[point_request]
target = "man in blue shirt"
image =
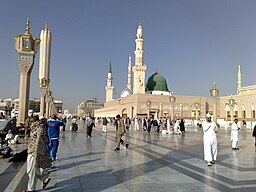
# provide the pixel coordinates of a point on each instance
(53, 133)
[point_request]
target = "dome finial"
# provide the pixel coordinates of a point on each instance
(46, 25)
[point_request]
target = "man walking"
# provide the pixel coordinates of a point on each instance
(38, 160)
(120, 130)
(104, 125)
(27, 127)
(127, 123)
(53, 134)
(90, 125)
(234, 135)
(210, 140)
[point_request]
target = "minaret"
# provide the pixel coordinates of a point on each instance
(239, 79)
(109, 87)
(139, 68)
(44, 67)
(129, 82)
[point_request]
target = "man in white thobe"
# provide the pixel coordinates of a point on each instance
(234, 135)
(210, 140)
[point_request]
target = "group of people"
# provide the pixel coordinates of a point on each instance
(172, 127)
(89, 122)
(210, 130)
(43, 142)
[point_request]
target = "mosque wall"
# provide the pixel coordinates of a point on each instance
(243, 107)
(143, 105)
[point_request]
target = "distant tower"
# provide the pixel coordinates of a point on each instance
(44, 66)
(129, 82)
(26, 46)
(239, 79)
(109, 87)
(139, 68)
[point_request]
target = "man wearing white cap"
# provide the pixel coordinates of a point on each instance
(234, 135)
(210, 140)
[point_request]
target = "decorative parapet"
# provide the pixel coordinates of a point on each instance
(247, 90)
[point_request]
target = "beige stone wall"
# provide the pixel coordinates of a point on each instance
(136, 105)
(245, 105)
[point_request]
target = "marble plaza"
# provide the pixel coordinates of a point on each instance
(153, 162)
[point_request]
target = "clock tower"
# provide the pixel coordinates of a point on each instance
(139, 68)
(26, 46)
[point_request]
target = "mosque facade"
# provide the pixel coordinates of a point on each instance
(242, 105)
(151, 97)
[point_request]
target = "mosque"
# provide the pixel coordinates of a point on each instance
(142, 98)
(242, 105)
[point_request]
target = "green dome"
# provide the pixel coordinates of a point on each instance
(156, 82)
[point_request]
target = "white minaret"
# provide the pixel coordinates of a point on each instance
(139, 68)
(239, 79)
(109, 87)
(129, 82)
(44, 66)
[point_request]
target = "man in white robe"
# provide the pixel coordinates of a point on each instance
(234, 135)
(210, 140)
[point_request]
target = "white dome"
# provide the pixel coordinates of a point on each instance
(126, 92)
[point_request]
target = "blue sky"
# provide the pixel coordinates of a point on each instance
(192, 43)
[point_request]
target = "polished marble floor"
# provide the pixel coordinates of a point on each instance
(153, 162)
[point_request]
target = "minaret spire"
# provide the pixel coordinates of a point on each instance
(129, 82)
(239, 79)
(109, 87)
(109, 68)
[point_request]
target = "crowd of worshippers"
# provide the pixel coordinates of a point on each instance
(52, 125)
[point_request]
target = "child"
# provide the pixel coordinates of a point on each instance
(11, 139)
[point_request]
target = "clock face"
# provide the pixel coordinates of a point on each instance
(25, 43)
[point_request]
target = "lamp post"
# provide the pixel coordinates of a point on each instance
(26, 46)
(148, 103)
(181, 110)
(214, 93)
(172, 100)
(196, 105)
(231, 104)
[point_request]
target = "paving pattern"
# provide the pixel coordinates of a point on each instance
(153, 162)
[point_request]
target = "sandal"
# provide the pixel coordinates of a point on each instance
(46, 182)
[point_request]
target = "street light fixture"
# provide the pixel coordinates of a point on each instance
(196, 105)
(148, 103)
(172, 100)
(214, 93)
(231, 104)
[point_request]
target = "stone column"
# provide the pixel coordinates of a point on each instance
(42, 101)
(25, 73)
